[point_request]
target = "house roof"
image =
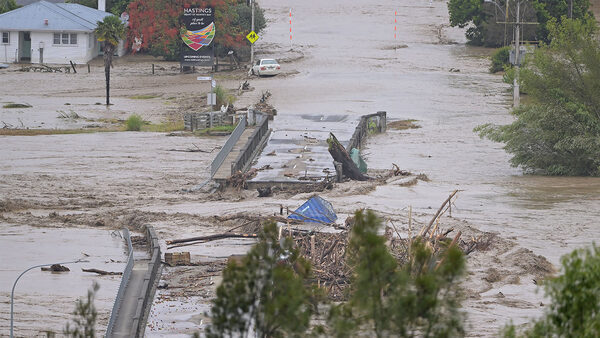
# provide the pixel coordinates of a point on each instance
(29, 2)
(60, 16)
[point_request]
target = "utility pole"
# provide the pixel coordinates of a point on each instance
(570, 9)
(516, 93)
(252, 45)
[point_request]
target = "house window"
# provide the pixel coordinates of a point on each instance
(5, 37)
(65, 39)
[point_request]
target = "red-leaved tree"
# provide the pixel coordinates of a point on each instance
(157, 23)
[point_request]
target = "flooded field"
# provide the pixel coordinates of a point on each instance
(345, 62)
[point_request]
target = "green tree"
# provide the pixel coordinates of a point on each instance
(7, 6)
(468, 12)
(482, 16)
(114, 6)
(84, 317)
(111, 30)
(265, 293)
(559, 132)
(574, 310)
(419, 298)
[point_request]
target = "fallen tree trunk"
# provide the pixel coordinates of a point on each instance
(101, 272)
(280, 219)
(211, 238)
(340, 154)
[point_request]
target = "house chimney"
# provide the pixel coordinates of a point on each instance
(102, 5)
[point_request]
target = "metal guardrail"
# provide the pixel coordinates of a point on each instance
(363, 128)
(233, 138)
(122, 286)
(249, 148)
(146, 296)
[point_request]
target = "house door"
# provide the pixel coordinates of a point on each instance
(25, 50)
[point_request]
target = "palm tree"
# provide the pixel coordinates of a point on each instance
(110, 30)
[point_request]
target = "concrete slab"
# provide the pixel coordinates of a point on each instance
(297, 150)
(224, 171)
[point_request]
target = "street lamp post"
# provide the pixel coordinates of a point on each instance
(12, 293)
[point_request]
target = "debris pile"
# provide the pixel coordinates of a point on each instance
(326, 253)
(46, 69)
(265, 107)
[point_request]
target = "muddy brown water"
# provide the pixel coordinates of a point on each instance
(44, 300)
(351, 65)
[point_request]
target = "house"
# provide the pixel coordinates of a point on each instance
(46, 32)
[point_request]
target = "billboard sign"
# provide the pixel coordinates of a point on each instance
(198, 34)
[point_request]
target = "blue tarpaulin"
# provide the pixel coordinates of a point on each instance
(315, 208)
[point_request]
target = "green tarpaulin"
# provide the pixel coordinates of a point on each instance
(360, 163)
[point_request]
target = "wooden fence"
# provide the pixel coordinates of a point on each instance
(199, 121)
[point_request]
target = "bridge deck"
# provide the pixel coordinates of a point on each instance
(124, 322)
(224, 171)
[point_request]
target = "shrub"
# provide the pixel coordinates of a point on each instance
(84, 316)
(134, 123)
(265, 293)
(500, 59)
(223, 97)
(575, 299)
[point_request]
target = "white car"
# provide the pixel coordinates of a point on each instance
(265, 67)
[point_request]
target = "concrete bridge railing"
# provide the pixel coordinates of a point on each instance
(254, 144)
(122, 286)
(372, 123)
(146, 295)
(231, 141)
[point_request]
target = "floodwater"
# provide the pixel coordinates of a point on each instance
(44, 300)
(353, 65)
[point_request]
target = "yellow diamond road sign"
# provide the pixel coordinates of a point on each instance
(252, 37)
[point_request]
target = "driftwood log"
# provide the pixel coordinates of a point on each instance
(448, 201)
(210, 238)
(101, 272)
(339, 154)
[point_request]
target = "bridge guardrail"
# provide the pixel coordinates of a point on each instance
(362, 129)
(233, 138)
(122, 286)
(146, 296)
(254, 141)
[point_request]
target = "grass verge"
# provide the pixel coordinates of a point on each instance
(226, 129)
(143, 97)
(403, 124)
